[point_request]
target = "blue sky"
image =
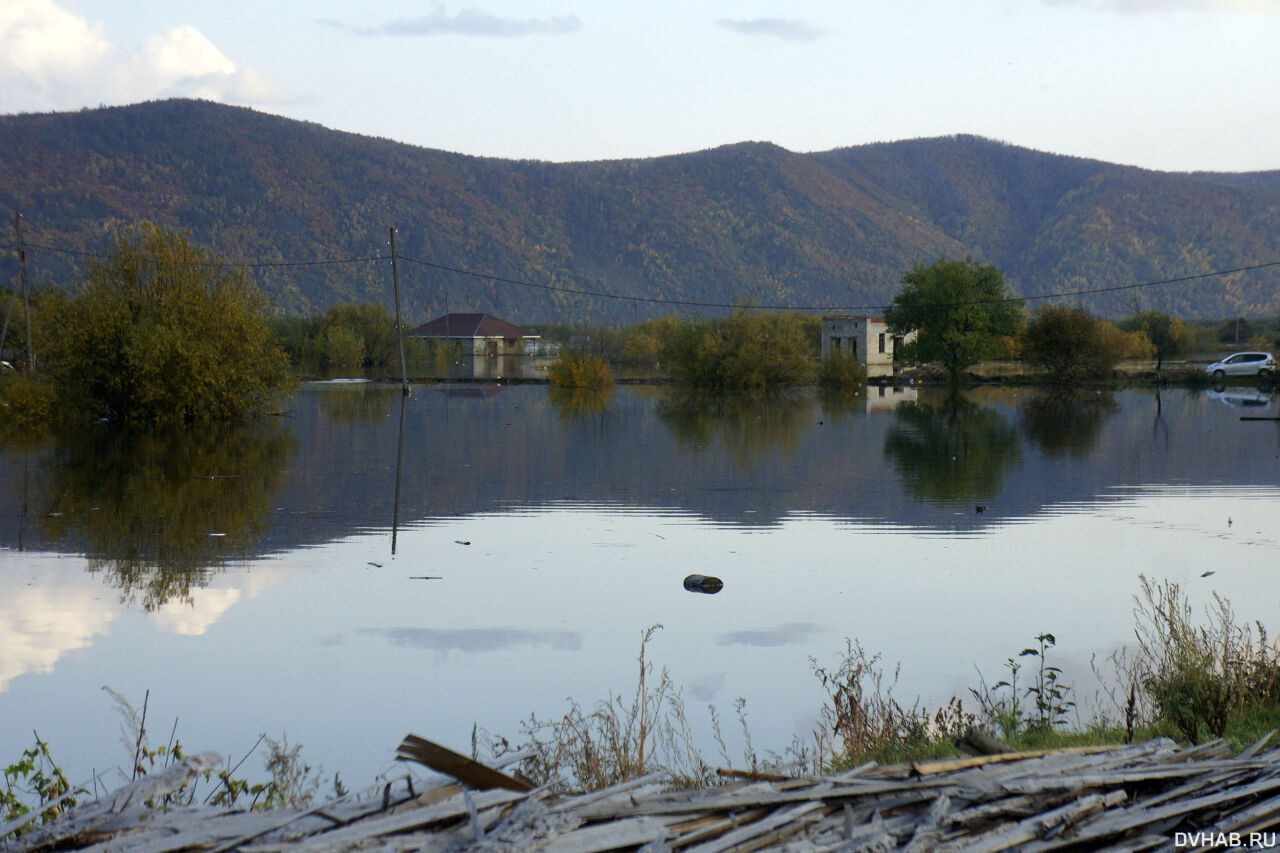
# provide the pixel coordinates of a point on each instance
(1166, 84)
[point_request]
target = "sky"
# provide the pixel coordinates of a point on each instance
(1175, 85)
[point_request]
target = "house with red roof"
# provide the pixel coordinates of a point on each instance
(478, 334)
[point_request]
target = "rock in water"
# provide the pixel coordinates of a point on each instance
(703, 583)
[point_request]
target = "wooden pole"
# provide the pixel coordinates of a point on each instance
(26, 299)
(395, 279)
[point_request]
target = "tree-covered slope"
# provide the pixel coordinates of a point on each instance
(743, 224)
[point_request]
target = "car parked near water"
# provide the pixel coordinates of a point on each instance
(1243, 364)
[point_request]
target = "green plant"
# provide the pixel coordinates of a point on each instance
(1200, 677)
(162, 331)
(1052, 697)
(35, 782)
(742, 352)
(961, 311)
(580, 371)
(1072, 345)
(841, 372)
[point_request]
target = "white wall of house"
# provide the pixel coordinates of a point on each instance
(866, 338)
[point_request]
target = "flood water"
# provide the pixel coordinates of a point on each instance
(247, 578)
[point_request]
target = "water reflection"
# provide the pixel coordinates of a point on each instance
(749, 427)
(354, 402)
(952, 450)
(154, 511)
(1067, 423)
(573, 403)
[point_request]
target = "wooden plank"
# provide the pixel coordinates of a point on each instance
(83, 819)
(743, 834)
(1135, 817)
(597, 838)
(1032, 828)
(466, 770)
(452, 809)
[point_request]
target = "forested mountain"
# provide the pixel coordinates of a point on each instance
(749, 223)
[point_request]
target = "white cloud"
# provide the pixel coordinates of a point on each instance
(52, 59)
(1139, 7)
(783, 28)
(468, 22)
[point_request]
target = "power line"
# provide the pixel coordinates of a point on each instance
(687, 303)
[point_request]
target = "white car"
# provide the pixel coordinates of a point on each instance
(1243, 364)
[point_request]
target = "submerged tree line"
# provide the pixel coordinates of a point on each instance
(159, 330)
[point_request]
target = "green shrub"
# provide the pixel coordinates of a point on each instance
(743, 352)
(1200, 677)
(841, 373)
(1072, 345)
(578, 370)
(27, 402)
(162, 332)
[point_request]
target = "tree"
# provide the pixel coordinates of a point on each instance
(1166, 333)
(743, 352)
(162, 332)
(1071, 344)
(960, 312)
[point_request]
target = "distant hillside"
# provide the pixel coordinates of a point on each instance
(750, 223)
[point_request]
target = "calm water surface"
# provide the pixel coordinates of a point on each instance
(247, 579)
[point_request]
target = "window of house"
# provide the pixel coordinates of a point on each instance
(882, 342)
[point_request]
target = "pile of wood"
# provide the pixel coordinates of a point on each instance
(1145, 797)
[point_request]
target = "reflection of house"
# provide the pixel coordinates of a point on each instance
(864, 338)
(886, 398)
(479, 334)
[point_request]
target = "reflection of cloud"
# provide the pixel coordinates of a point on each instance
(192, 618)
(43, 619)
(477, 639)
(51, 58)
(786, 29)
(706, 687)
(783, 635)
(468, 22)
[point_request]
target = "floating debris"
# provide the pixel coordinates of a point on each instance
(1140, 797)
(703, 583)
(461, 542)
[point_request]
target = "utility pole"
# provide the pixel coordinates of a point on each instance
(395, 280)
(26, 299)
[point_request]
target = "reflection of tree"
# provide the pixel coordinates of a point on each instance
(840, 403)
(357, 402)
(156, 509)
(1064, 423)
(750, 426)
(952, 453)
(573, 403)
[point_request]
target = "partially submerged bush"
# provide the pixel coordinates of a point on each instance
(841, 372)
(743, 352)
(162, 332)
(26, 401)
(579, 370)
(1072, 345)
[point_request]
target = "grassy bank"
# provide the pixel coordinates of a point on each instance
(1189, 676)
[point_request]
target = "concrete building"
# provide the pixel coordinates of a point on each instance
(864, 338)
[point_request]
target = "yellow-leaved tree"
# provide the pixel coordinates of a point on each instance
(162, 331)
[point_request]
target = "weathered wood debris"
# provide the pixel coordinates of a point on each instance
(1149, 796)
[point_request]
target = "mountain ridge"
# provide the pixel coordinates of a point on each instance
(746, 223)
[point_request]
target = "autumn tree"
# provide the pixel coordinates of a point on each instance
(961, 312)
(1166, 333)
(161, 331)
(1070, 344)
